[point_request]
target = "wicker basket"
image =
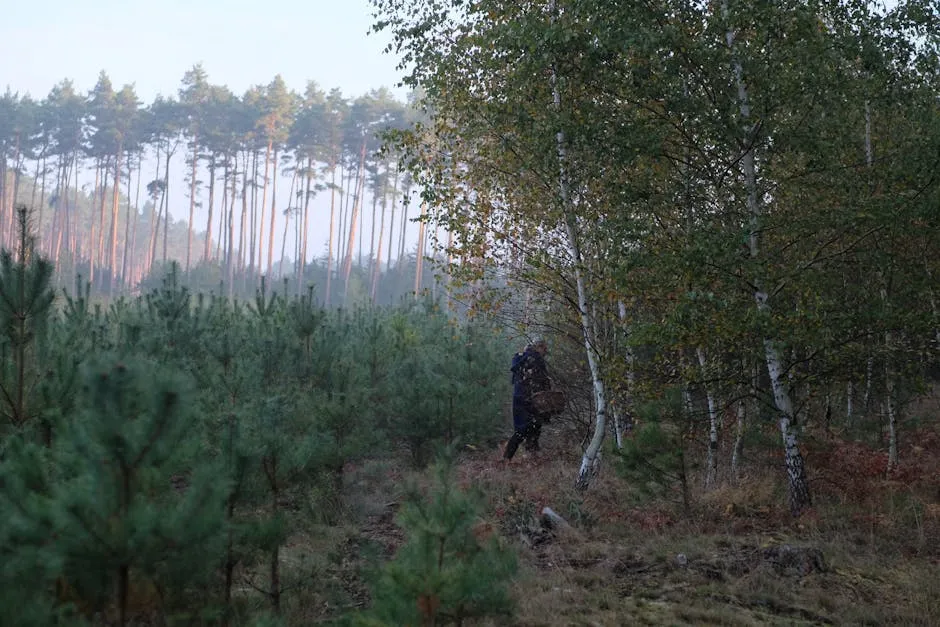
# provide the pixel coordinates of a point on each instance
(549, 402)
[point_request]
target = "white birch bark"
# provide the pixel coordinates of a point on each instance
(590, 462)
(797, 484)
(711, 460)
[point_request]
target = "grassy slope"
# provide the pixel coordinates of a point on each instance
(631, 561)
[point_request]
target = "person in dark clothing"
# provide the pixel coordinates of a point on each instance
(529, 376)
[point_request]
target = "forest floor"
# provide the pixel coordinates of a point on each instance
(867, 553)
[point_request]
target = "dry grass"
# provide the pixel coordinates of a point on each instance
(627, 561)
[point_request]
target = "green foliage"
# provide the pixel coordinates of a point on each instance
(133, 496)
(450, 568)
(455, 372)
(653, 457)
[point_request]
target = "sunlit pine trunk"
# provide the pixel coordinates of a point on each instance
(207, 248)
(290, 197)
(100, 254)
(797, 483)
(230, 258)
(391, 223)
(419, 250)
(192, 202)
(252, 232)
(127, 222)
(302, 256)
(377, 257)
(404, 231)
(115, 214)
(711, 459)
(166, 209)
(329, 254)
(264, 202)
(590, 462)
(273, 216)
(130, 258)
(360, 179)
(243, 257)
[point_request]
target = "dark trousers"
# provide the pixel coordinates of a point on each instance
(527, 427)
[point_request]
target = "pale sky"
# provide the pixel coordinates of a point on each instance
(152, 43)
(240, 43)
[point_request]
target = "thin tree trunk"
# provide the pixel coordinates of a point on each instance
(192, 202)
(242, 234)
(131, 258)
(376, 260)
(352, 223)
(166, 209)
(419, 251)
(711, 460)
(264, 200)
(302, 256)
(254, 212)
(738, 448)
(798, 485)
(401, 239)
(231, 229)
(115, 214)
(590, 462)
(290, 199)
(207, 249)
(99, 255)
(329, 254)
(273, 216)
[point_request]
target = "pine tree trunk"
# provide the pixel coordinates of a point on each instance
(91, 218)
(166, 211)
(264, 201)
(419, 251)
(130, 262)
(99, 254)
(192, 203)
(207, 249)
(127, 222)
(302, 256)
(115, 214)
(352, 223)
(242, 234)
(376, 261)
(273, 216)
(290, 198)
(254, 212)
(230, 270)
(329, 254)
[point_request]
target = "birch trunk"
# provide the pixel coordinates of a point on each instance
(590, 462)
(797, 484)
(711, 460)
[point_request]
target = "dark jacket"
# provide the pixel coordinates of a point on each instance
(529, 374)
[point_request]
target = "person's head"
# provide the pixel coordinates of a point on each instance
(539, 344)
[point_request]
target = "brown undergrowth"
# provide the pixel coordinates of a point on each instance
(867, 553)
